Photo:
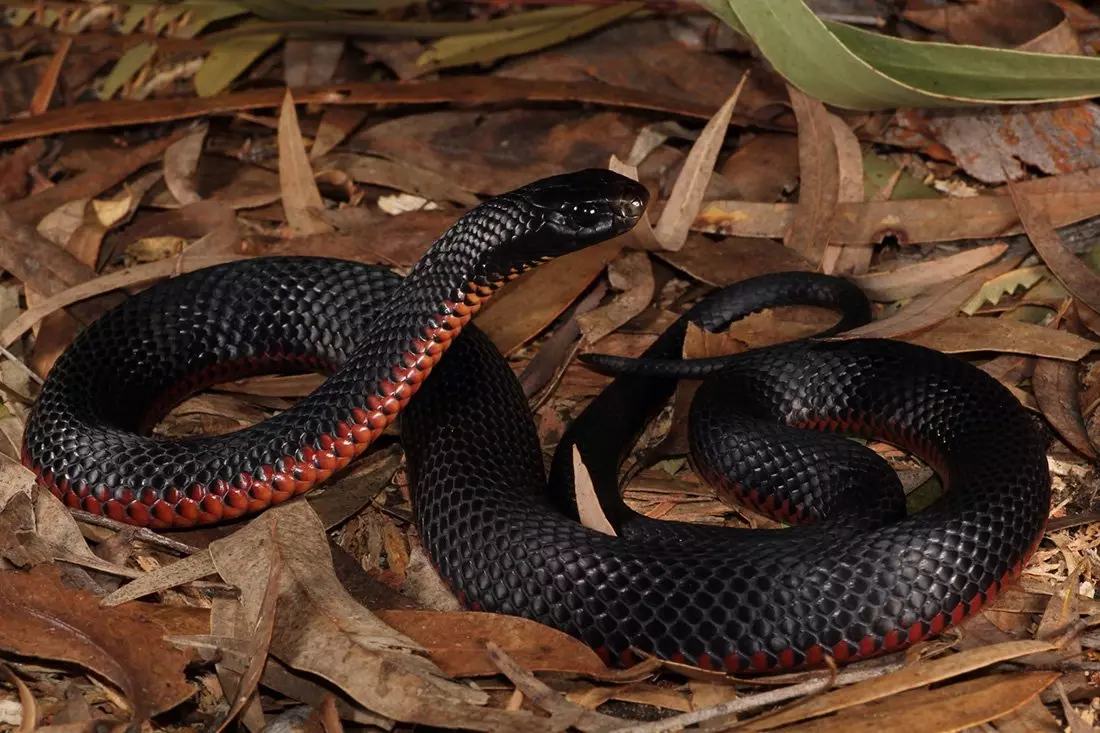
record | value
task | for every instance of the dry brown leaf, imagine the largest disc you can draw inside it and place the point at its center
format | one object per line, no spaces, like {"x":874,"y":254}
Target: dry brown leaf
{"x":732,"y":260}
{"x":181,"y":163}
{"x":456,"y":641}
{"x":1054,"y":383}
{"x":301,"y":199}
{"x":911,"y":221}
{"x":963,"y":334}
{"x":950,"y":708}
{"x":850,"y":259}
{"x":40,"y":617}
{"x":112,"y":167}
{"x":631,"y":274}
{"x":1031,"y":717}
{"x":910,"y":280}
{"x":321,"y":630}
{"x":935,"y":305}
{"x":819,"y":186}
{"x":399,"y":176}
{"x":915,"y":675}
{"x":1077,"y":724}
{"x":311,"y":62}
{"x":764,"y":168}
{"x":1066,"y":266}
{"x":335,"y":125}
{"x":193,"y":567}
{"x":687,"y":192}
{"x":531,"y":302}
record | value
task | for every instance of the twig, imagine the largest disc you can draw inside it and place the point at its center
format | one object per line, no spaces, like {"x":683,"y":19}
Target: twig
{"x":20,"y":365}
{"x":548,"y":699}
{"x":761,"y":700}
{"x":141,"y":533}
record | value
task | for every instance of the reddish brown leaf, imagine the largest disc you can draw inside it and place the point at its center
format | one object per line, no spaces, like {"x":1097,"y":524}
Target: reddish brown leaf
{"x":42,"y":618}
{"x":530,"y":303}
{"x":455,"y":640}
{"x":468,"y":90}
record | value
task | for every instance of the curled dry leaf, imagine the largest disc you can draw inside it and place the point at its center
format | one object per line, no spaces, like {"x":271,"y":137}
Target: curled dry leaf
{"x":1066,"y":266}
{"x":42,"y":618}
{"x":260,"y":639}
{"x":819,"y":184}
{"x":301,"y":199}
{"x":321,"y":630}
{"x":29,"y":707}
{"x":910,"y":280}
{"x":590,"y":512}
{"x":1054,"y":383}
{"x":181,"y":163}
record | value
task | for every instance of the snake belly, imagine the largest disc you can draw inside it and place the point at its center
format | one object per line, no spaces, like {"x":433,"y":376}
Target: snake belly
{"x":859,"y":578}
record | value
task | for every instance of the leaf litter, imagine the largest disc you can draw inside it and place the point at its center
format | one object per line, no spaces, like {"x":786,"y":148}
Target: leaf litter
{"x":328,"y":607}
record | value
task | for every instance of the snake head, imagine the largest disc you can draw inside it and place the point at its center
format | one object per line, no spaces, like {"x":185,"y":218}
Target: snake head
{"x":558,"y":215}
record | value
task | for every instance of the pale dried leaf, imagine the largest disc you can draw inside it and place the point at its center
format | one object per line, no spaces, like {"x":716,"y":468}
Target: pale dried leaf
{"x":909,"y":280}
{"x":818,"y":189}
{"x":847,"y":259}
{"x":962,"y":334}
{"x":181,"y":163}
{"x":301,"y":200}
{"x":687,"y":193}
{"x":588,"y":503}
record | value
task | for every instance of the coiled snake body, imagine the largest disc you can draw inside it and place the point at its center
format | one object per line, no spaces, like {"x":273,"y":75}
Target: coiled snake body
{"x":860,"y":580}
